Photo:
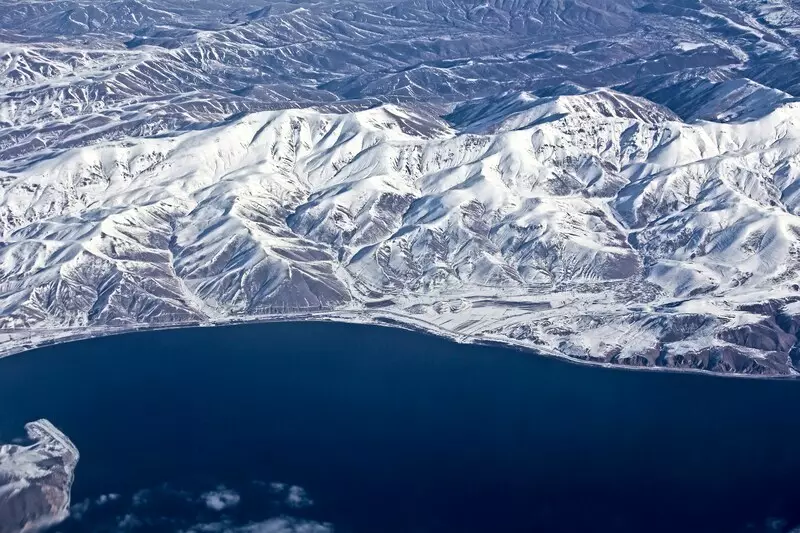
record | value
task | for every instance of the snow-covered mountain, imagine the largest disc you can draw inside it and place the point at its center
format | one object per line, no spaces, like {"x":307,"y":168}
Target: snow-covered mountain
{"x":611,"y":181}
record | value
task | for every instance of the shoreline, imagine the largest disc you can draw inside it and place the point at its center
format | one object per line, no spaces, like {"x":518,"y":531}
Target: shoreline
{"x":381,"y":318}
{"x":40,"y":430}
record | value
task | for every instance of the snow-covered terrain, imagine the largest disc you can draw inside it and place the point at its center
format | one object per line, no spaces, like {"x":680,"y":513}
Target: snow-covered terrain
{"x":616,"y":182}
{"x":36,"y":479}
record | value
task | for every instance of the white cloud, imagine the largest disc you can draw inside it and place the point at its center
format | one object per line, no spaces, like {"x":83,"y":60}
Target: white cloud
{"x":141,"y":497}
{"x":77,"y":510}
{"x":213,"y":527}
{"x":297,"y":497}
{"x":286,"y":525}
{"x":294,"y":495}
{"x":272,"y":525}
{"x":105,"y":498}
{"x":221,"y":499}
{"x":128,"y":521}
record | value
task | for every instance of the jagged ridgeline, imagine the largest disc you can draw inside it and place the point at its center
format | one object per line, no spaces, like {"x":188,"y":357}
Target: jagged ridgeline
{"x":610,"y":181}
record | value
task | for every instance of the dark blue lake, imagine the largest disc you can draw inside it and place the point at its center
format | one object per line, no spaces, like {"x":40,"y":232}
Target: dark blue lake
{"x":390,"y":431}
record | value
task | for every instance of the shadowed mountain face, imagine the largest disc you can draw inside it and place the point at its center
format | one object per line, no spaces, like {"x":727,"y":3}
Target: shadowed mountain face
{"x":611,"y":181}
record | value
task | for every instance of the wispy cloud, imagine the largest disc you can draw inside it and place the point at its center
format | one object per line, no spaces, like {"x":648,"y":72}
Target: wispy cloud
{"x":105,"y":498}
{"x":221,"y":499}
{"x":297,"y":497}
{"x":144,"y":510}
{"x":294,"y":496}
{"x":128,"y":521}
{"x":77,"y":510}
{"x":272,"y":525}
{"x":141,"y":498}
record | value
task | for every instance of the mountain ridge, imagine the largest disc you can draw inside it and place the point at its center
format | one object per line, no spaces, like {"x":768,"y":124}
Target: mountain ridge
{"x":614,"y":182}
{"x":587,"y":202}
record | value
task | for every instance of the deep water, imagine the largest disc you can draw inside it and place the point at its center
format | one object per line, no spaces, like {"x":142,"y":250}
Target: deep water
{"x":390,"y":431}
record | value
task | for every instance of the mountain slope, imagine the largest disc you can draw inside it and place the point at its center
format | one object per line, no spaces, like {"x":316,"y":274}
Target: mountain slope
{"x":614,"y":181}
{"x":593,"y":225}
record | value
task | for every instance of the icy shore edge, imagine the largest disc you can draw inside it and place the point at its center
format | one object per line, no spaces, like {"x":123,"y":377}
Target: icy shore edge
{"x":385,"y":318}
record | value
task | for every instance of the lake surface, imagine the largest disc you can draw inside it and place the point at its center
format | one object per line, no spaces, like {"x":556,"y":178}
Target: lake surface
{"x":390,"y":431}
